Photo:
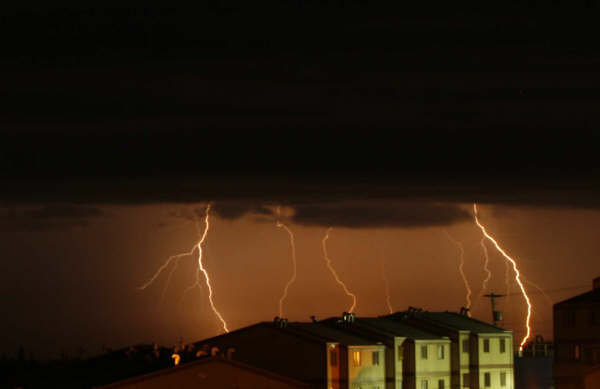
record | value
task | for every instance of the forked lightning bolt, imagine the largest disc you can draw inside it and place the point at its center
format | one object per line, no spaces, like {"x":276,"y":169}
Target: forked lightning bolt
{"x":517,"y":275}
{"x":331,"y":269}
{"x":200,"y":269}
{"x":461,"y":269}
{"x":294,"y":266}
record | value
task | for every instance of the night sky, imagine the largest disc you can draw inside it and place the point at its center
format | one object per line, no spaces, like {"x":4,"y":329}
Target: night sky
{"x":384,"y":122}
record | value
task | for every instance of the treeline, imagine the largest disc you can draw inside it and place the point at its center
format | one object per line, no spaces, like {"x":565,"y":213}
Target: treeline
{"x":77,"y":372}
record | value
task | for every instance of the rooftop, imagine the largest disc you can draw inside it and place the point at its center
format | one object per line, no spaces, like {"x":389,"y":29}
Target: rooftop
{"x":396,"y":328}
{"x":331,"y":334}
{"x":451,"y":320}
{"x":593,"y":296}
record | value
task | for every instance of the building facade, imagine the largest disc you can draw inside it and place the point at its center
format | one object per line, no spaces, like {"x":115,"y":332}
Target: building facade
{"x":415,"y":359}
{"x":577,"y":340}
{"x":482,"y":354}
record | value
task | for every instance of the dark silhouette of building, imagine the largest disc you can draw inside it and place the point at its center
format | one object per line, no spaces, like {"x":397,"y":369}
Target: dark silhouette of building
{"x":577,"y":340}
{"x":212,"y":372}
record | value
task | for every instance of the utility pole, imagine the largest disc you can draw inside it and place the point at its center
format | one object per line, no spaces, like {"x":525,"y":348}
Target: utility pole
{"x":496,"y":315}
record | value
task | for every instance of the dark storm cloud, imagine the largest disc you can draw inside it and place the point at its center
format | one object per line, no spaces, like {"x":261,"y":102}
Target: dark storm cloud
{"x":228,"y":210}
{"x":356,"y":214}
{"x":64,"y":212}
{"x":231,"y":211}
{"x":380,"y":214}
{"x":52,"y":217}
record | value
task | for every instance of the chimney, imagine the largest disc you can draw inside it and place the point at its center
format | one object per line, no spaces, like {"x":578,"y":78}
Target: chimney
{"x":596,"y":284}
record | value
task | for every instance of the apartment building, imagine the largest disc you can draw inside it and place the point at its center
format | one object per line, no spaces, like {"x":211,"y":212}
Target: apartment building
{"x":482,"y":355}
{"x":415,"y":359}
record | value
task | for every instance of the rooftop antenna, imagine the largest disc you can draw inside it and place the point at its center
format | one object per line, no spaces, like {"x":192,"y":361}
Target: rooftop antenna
{"x":496,"y":315}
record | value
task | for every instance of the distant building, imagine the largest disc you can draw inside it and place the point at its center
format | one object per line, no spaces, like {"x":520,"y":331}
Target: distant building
{"x":415,"y":359}
{"x":214,"y":373}
{"x":533,"y":367}
{"x":481,"y":354}
{"x":577,"y":340}
{"x":312,"y":353}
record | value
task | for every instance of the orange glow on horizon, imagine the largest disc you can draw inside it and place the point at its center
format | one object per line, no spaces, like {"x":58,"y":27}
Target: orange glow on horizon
{"x":337,"y":279}
{"x":517,"y":276}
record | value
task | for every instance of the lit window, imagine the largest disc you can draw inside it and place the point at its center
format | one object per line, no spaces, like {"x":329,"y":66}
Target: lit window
{"x":424,"y":384}
{"x":577,"y":352}
{"x":333,"y":357}
{"x":487,"y":380}
{"x":503,"y":379}
{"x":356,"y":358}
{"x":441,"y":384}
{"x":502,"y":345}
{"x":486,"y":345}
{"x":465,"y":346}
{"x":376,"y":358}
{"x":400,"y":353}
{"x":423,"y":352}
{"x":440,"y":351}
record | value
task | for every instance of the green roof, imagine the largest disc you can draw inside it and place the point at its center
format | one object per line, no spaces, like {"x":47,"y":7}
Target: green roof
{"x":450,"y":320}
{"x":395,"y":328}
{"x":331,"y":334}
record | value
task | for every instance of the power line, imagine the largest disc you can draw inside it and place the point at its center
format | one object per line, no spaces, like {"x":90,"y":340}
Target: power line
{"x":553,"y":290}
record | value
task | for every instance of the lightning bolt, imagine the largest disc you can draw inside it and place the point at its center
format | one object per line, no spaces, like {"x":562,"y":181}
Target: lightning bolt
{"x":203,"y":270}
{"x":387,"y":287}
{"x":527,"y":281}
{"x":337,"y":279}
{"x":461,"y":269}
{"x":293,"y":278}
{"x":486,"y":263}
{"x":517,"y":276}
{"x":200,"y":269}
{"x":164,"y":266}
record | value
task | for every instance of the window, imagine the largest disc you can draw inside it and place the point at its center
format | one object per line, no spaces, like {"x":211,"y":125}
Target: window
{"x":424,"y":384}
{"x":503,"y":379}
{"x":569,"y":319}
{"x":487,"y":380}
{"x":465,"y":346}
{"x":376,"y":358}
{"x":466,"y":380}
{"x":356,"y":358}
{"x":400,"y":353}
{"x":440,"y":351}
{"x":441,"y":384}
{"x":333,"y":357}
{"x":423,"y":352}
{"x":486,"y":345}
{"x":577,"y":352}
{"x":502,"y":345}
